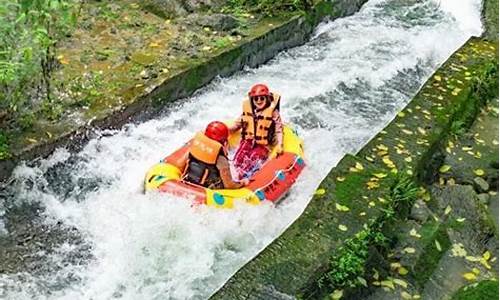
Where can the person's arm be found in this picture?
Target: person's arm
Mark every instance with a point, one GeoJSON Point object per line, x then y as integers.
{"type": "Point", "coordinates": [278, 130]}
{"type": "Point", "coordinates": [236, 126]}
{"type": "Point", "coordinates": [225, 174]}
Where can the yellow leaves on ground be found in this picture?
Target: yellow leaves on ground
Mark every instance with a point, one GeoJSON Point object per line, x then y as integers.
{"type": "Point", "coordinates": [438, 245]}
{"type": "Point", "coordinates": [382, 147]}
{"type": "Point", "coordinates": [487, 255]}
{"type": "Point", "coordinates": [319, 192]}
{"type": "Point", "coordinates": [400, 282]}
{"type": "Point", "coordinates": [469, 276]}
{"type": "Point", "coordinates": [479, 172]}
{"type": "Point", "coordinates": [372, 185]}
{"type": "Point", "coordinates": [437, 77]}
{"type": "Point", "coordinates": [413, 232]}
{"type": "Point", "coordinates": [403, 271]}
{"type": "Point", "coordinates": [447, 210]}
{"type": "Point", "coordinates": [340, 207]}
{"type": "Point", "coordinates": [358, 167]}
{"type": "Point", "coordinates": [63, 60]}
{"type": "Point", "coordinates": [444, 168]}
{"type": "Point", "coordinates": [340, 179]}
{"type": "Point", "coordinates": [33, 141]}
{"type": "Point", "coordinates": [387, 283]}
{"type": "Point", "coordinates": [409, 250]}
{"type": "Point", "coordinates": [380, 175]}
{"type": "Point", "coordinates": [406, 131]}
{"type": "Point", "coordinates": [401, 114]}
{"type": "Point", "coordinates": [342, 227]}
{"type": "Point", "coordinates": [388, 162]}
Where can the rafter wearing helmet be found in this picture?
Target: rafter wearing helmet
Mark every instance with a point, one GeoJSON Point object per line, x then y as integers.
{"type": "Point", "coordinates": [206, 162]}
{"type": "Point", "coordinates": [261, 128]}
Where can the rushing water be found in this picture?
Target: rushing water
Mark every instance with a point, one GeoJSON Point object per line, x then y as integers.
{"type": "Point", "coordinates": [338, 90]}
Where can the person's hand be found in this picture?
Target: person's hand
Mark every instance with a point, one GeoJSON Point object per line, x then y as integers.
{"type": "Point", "coordinates": [245, 181]}
{"type": "Point", "coordinates": [279, 150]}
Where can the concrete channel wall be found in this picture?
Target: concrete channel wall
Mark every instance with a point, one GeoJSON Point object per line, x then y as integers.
{"type": "Point", "coordinates": [250, 52]}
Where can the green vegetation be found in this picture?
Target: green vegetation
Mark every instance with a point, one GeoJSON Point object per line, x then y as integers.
{"type": "Point", "coordinates": [486, 289]}
{"type": "Point", "coordinates": [347, 266]}
{"type": "Point", "coordinates": [268, 7]}
{"type": "Point", "coordinates": [29, 32]}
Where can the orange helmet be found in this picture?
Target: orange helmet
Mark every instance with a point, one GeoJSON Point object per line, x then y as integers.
{"type": "Point", "coordinates": [218, 131]}
{"type": "Point", "coordinates": [259, 90]}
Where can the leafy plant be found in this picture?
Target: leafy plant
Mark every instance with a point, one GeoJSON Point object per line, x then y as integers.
{"type": "Point", "coordinates": [403, 194]}
{"type": "Point", "coordinates": [29, 31]}
{"type": "Point", "coordinates": [349, 264]}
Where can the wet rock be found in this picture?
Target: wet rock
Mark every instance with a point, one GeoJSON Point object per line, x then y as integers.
{"type": "Point", "coordinates": [419, 211]}
{"type": "Point", "coordinates": [481, 185]}
{"type": "Point", "coordinates": [166, 8]}
{"type": "Point", "coordinates": [219, 22]}
{"type": "Point", "coordinates": [484, 198]}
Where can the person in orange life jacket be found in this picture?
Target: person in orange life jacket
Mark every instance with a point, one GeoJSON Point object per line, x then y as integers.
{"type": "Point", "coordinates": [261, 128]}
{"type": "Point", "coordinates": [207, 164]}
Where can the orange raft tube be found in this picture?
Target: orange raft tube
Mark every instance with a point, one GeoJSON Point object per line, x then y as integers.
{"type": "Point", "coordinates": [270, 183]}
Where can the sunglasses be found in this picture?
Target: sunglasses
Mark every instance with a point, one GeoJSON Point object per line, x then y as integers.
{"type": "Point", "coordinates": [259, 98]}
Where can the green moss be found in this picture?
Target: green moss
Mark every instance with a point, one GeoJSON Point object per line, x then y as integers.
{"type": "Point", "coordinates": [484, 290]}
{"type": "Point", "coordinates": [433, 234]}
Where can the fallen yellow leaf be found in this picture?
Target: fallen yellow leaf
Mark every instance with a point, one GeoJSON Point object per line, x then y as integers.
{"type": "Point", "coordinates": [342, 227]}
{"type": "Point", "coordinates": [340, 179]}
{"type": "Point", "coordinates": [469, 276]}
{"type": "Point", "coordinates": [341, 207]}
{"type": "Point", "coordinates": [402, 271]}
{"type": "Point", "coordinates": [409, 250]}
{"type": "Point", "coordinates": [479, 172]}
{"type": "Point", "coordinates": [447, 210]}
{"type": "Point", "coordinates": [400, 282]}
{"type": "Point", "coordinates": [438, 245]}
{"type": "Point", "coordinates": [444, 168]}
{"type": "Point", "coordinates": [320, 192]}
{"type": "Point", "coordinates": [359, 166]}
{"type": "Point", "coordinates": [487, 255]}
{"type": "Point", "coordinates": [380, 175]}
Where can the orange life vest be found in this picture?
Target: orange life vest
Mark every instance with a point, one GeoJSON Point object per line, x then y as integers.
{"type": "Point", "coordinates": [201, 167]}
{"type": "Point", "coordinates": [259, 128]}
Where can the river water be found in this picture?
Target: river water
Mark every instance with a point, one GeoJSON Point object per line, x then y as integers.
{"type": "Point", "coordinates": [338, 90]}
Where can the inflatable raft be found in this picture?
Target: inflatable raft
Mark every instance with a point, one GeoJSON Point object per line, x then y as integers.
{"type": "Point", "coordinates": [270, 183]}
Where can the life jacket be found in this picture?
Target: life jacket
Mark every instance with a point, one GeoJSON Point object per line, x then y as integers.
{"type": "Point", "coordinates": [201, 167]}
{"type": "Point", "coordinates": [259, 128]}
